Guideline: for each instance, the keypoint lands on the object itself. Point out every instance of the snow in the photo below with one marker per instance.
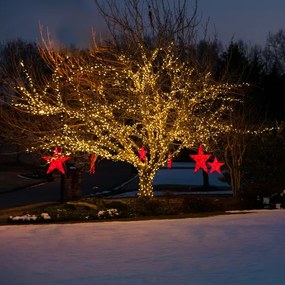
(240, 248)
(182, 173)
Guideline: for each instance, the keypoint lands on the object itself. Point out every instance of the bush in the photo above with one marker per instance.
(98, 209)
(196, 204)
(143, 207)
(124, 210)
(69, 212)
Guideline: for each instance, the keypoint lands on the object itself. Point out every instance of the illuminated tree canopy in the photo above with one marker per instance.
(112, 104)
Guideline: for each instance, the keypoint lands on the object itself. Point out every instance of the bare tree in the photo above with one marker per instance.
(274, 52)
(234, 149)
(152, 22)
(243, 124)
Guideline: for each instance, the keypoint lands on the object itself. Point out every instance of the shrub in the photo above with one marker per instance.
(124, 210)
(144, 207)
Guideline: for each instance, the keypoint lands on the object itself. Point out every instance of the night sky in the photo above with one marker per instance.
(70, 22)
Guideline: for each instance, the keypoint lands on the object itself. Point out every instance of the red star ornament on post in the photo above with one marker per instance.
(56, 161)
(215, 165)
(142, 153)
(200, 159)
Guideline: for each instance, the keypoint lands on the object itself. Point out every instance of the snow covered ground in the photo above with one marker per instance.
(239, 249)
(182, 173)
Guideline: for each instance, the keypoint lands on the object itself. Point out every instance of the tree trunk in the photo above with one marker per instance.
(233, 155)
(62, 189)
(71, 185)
(146, 177)
(205, 180)
(235, 181)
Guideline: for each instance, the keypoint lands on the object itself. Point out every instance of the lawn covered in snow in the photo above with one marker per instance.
(230, 249)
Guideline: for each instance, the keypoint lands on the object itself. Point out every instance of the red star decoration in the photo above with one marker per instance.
(142, 153)
(56, 161)
(215, 165)
(200, 159)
